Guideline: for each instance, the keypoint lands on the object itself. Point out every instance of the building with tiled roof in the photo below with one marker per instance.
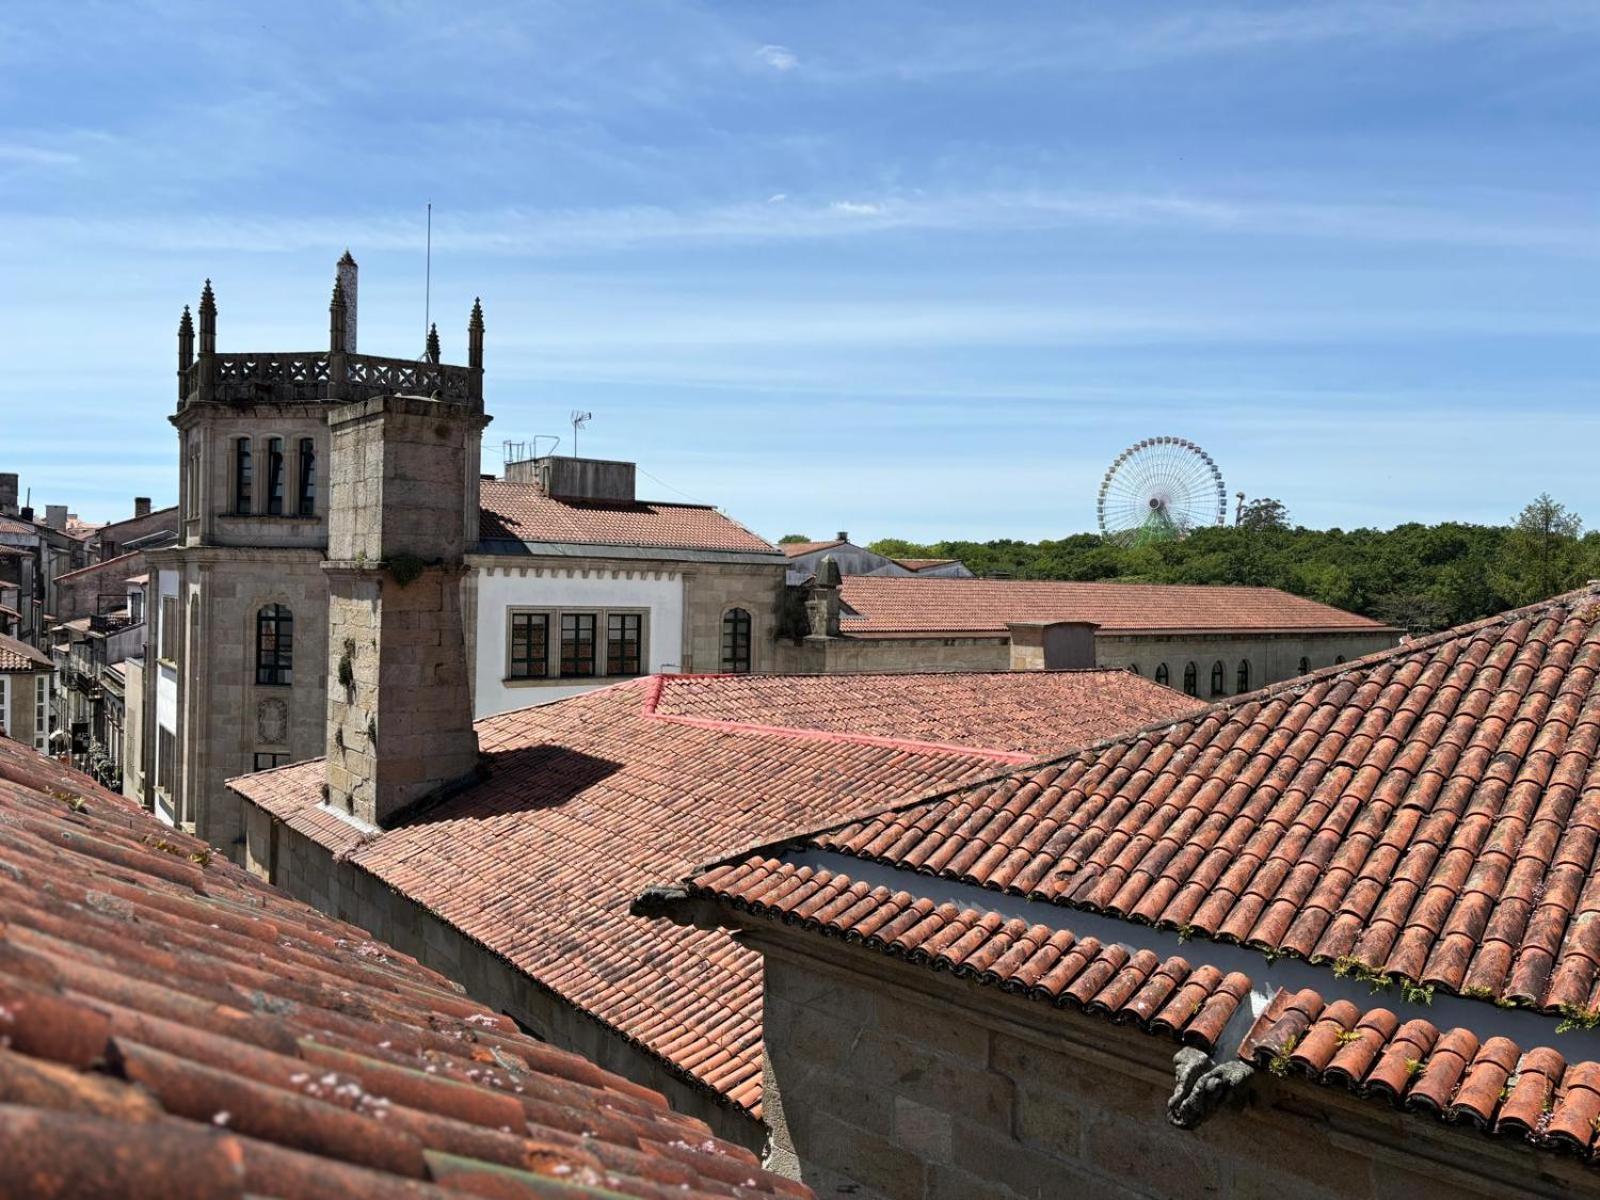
(578, 582)
(25, 673)
(851, 559)
(520, 882)
(571, 581)
(1381, 879)
(1208, 641)
(172, 1027)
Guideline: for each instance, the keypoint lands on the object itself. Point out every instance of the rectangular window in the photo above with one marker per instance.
(41, 712)
(243, 473)
(275, 477)
(166, 759)
(275, 645)
(306, 502)
(5, 707)
(530, 646)
(622, 643)
(267, 761)
(168, 643)
(577, 645)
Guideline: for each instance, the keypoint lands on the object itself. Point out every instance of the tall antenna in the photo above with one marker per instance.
(579, 420)
(427, 282)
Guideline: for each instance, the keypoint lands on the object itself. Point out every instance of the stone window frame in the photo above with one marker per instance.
(167, 633)
(602, 622)
(1191, 679)
(277, 758)
(1242, 677)
(280, 670)
(277, 488)
(1219, 678)
(305, 477)
(1163, 676)
(242, 472)
(41, 711)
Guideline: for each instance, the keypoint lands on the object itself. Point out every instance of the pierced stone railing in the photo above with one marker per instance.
(319, 375)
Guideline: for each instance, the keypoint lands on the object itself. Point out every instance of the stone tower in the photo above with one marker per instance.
(238, 658)
(405, 486)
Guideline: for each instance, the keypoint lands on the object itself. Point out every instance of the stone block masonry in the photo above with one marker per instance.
(399, 700)
(885, 1081)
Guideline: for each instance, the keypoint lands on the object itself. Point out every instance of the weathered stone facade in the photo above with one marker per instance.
(1269, 657)
(405, 472)
(886, 1081)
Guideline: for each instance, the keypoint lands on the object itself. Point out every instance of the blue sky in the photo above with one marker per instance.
(902, 269)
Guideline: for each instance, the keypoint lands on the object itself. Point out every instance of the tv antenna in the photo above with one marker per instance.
(579, 420)
(427, 283)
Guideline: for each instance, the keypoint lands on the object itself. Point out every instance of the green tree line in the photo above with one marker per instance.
(1418, 577)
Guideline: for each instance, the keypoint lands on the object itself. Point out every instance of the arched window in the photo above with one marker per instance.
(275, 476)
(1305, 665)
(275, 645)
(1162, 675)
(736, 641)
(306, 504)
(1337, 659)
(1134, 667)
(1191, 680)
(242, 473)
(1219, 679)
(1244, 676)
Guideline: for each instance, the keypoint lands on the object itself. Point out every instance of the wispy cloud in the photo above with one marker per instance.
(1515, 222)
(779, 58)
(35, 156)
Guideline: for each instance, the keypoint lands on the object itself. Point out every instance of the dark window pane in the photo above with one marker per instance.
(1244, 676)
(275, 476)
(1161, 674)
(736, 641)
(1219, 679)
(275, 645)
(622, 643)
(1191, 680)
(577, 644)
(243, 471)
(307, 503)
(530, 646)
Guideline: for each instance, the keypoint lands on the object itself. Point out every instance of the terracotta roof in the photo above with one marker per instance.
(590, 800)
(523, 513)
(1160, 996)
(19, 656)
(1027, 712)
(14, 526)
(172, 1027)
(1428, 814)
(923, 564)
(796, 549)
(888, 604)
(1492, 1084)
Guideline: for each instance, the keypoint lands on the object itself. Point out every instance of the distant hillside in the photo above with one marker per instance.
(1419, 577)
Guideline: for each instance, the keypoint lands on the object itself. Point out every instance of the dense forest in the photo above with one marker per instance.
(1419, 577)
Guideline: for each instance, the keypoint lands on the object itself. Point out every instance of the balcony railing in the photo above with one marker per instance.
(320, 375)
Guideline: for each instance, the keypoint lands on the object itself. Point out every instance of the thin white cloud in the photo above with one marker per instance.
(1514, 222)
(35, 156)
(779, 58)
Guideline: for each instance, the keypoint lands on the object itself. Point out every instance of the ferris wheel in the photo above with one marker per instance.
(1162, 487)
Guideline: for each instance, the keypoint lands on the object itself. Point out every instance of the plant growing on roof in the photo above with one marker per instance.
(1345, 1036)
(1278, 1064)
(1416, 993)
(1573, 1017)
(347, 666)
(1415, 1067)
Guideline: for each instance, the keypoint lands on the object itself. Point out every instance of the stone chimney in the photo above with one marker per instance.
(347, 275)
(403, 512)
(822, 601)
(55, 516)
(1052, 645)
(842, 536)
(9, 484)
(141, 506)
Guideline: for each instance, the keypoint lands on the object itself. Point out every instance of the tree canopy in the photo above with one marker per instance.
(1418, 577)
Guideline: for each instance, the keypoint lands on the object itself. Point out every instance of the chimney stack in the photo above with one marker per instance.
(55, 516)
(822, 601)
(9, 483)
(842, 536)
(346, 273)
(141, 506)
(404, 486)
